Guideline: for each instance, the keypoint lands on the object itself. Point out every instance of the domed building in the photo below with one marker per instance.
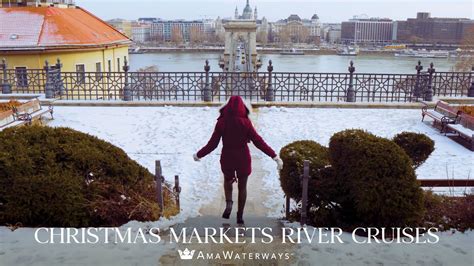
(32, 32)
(298, 30)
(247, 14)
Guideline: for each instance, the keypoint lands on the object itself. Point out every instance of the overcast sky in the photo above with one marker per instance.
(328, 11)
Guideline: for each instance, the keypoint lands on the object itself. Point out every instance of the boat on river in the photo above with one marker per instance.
(348, 51)
(423, 53)
(292, 51)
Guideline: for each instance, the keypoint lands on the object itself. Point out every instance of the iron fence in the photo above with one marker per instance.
(256, 86)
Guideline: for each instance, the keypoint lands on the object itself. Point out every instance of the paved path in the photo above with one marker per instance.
(255, 216)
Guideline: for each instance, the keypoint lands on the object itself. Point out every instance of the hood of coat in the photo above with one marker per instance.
(236, 107)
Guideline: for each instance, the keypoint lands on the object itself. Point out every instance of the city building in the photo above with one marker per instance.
(141, 32)
(368, 31)
(297, 30)
(427, 29)
(36, 3)
(331, 32)
(122, 25)
(30, 35)
(158, 30)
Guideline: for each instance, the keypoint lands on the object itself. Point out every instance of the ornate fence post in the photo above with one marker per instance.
(304, 195)
(417, 91)
(177, 191)
(59, 81)
(49, 86)
(429, 92)
(127, 92)
(6, 87)
(159, 186)
(470, 93)
(350, 91)
(270, 95)
(207, 94)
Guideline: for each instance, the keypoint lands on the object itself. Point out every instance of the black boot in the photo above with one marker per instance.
(228, 209)
(240, 221)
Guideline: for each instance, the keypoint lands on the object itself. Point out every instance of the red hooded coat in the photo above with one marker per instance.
(236, 130)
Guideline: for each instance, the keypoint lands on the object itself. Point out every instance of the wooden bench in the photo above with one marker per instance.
(446, 182)
(442, 115)
(6, 118)
(24, 114)
(464, 129)
(31, 110)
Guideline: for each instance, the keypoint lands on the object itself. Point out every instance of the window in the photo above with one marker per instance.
(21, 76)
(98, 70)
(110, 65)
(80, 74)
(118, 64)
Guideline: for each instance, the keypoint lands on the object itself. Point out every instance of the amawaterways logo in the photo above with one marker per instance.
(232, 255)
(186, 254)
(225, 238)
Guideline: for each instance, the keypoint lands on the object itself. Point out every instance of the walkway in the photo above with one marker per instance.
(255, 216)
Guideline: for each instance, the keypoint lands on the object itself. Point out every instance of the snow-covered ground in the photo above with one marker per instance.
(280, 126)
(173, 134)
(453, 248)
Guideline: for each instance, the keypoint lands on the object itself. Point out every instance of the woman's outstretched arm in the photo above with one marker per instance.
(259, 142)
(213, 142)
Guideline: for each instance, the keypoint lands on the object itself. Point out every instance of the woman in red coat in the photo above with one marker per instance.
(236, 131)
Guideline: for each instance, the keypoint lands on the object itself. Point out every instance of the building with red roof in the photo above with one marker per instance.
(33, 32)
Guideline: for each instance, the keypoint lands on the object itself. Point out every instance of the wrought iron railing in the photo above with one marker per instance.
(218, 86)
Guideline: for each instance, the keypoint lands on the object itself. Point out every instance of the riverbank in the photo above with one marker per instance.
(260, 50)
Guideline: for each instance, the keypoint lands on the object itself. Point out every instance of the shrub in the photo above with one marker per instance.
(6, 106)
(418, 146)
(467, 109)
(446, 212)
(377, 184)
(62, 177)
(293, 156)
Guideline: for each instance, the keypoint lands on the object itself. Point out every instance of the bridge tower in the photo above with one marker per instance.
(240, 53)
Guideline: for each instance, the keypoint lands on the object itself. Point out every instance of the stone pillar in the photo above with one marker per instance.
(470, 93)
(429, 92)
(59, 81)
(350, 97)
(207, 93)
(417, 90)
(49, 86)
(6, 87)
(270, 95)
(127, 92)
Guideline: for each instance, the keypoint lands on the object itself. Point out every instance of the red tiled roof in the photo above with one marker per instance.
(53, 27)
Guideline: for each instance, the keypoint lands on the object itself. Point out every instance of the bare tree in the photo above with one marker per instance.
(156, 37)
(196, 35)
(415, 39)
(301, 34)
(262, 37)
(284, 35)
(220, 37)
(466, 62)
(176, 35)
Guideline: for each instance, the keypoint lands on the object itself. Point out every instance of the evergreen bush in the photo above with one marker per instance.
(377, 183)
(62, 177)
(418, 146)
(293, 156)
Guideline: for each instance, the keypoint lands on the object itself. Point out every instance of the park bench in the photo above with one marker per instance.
(464, 129)
(6, 118)
(30, 111)
(442, 115)
(24, 114)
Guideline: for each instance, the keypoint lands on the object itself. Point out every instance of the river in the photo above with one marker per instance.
(170, 62)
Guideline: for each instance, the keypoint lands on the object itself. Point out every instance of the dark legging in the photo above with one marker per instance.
(242, 184)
